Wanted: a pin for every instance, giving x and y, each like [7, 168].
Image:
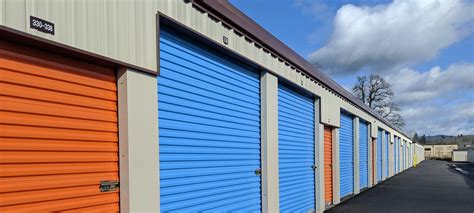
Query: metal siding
[59, 134]
[387, 161]
[209, 111]
[346, 153]
[328, 175]
[363, 154]
[379, 156]
[295, 151]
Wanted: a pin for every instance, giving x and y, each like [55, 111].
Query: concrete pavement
[433, 186]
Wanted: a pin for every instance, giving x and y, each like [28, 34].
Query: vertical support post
[356, 156]
[336, 181]
[319, 158]
[138, 142]
[384, 157]
[369, 146]
[269, 146]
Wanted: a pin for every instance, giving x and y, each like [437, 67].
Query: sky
[424, 48]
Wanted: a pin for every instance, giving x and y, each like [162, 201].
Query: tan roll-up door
[58, 133]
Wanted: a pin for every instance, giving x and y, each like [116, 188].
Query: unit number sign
[41, 25]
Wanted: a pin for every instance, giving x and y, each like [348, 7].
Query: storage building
[164, 105]
[460, 155]
[443, 152]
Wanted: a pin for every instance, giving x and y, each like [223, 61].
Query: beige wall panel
[15, 18]
[122, 30]
[2, 14]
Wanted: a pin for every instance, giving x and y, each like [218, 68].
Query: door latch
[258, 172]
[108, 185]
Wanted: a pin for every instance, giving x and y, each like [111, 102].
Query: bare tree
[376, 93]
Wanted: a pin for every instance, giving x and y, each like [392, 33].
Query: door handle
[108, 185]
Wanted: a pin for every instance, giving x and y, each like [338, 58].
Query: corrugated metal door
[346, 155]
[403, 155]
[395, 154]
[58, 134]
[209, 129]
[328, 164]
[409, 155]
[379, 155]
[398, 155]
[364, 154]
[406, 155]
[296, 150]
[387, 161]
[397, 146]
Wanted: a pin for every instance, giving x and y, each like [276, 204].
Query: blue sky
[424, 48]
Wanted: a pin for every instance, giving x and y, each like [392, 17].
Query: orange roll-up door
[328, 165]
[58, 134]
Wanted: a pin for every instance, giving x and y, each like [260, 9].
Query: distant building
[439, 151]
[470, 155]
[460, 155]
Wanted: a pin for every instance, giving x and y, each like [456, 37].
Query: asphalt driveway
[432, 186]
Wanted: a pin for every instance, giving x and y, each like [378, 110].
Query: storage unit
[395, 155]
[58, 133]
[379, 156]
[346, 155]
[400, 155]
[209, 129]
[328, 175]
[407, 157]
[363, 154]
[387, 158]
[403, 155]
[296, 150]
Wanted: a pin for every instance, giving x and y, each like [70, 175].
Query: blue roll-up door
[403, 155]
[209, 129]
[363, 154]
[346, 155]
[406, 155]
[379, 155]
[399, 155]
[395, 155]
[387, 161]
[296, 151]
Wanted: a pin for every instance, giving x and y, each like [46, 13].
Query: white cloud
[439, 101]
[394, 35]
[449, 119]
[410, 85]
